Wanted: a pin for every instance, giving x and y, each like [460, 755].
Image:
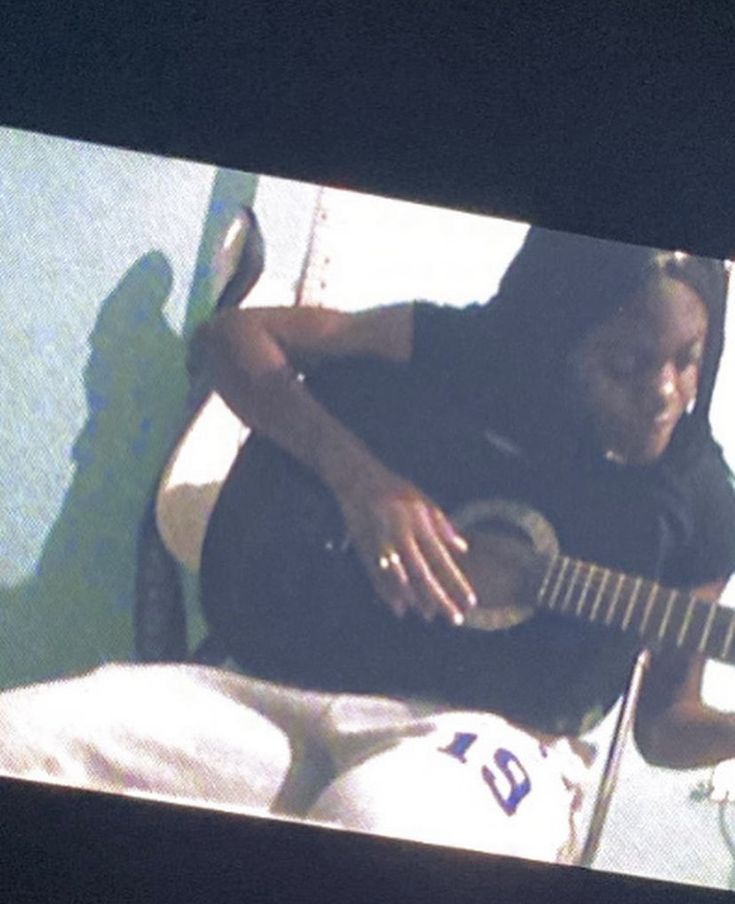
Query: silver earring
[691, 406]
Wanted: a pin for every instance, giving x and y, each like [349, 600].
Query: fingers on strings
[421, 574]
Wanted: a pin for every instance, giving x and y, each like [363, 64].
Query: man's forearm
[688, 736]
[262, 387]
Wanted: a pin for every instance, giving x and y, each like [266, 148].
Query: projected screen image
[353, 511]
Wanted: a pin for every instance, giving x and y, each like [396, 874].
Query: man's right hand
[409, 548]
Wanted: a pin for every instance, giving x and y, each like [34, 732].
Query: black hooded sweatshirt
[480, 411]
[502, 364]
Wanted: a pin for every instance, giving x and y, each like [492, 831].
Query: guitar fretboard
[659, 615]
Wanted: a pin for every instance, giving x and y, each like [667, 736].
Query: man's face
[635, 375]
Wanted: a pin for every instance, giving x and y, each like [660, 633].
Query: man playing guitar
[593, 370]
[588, 379]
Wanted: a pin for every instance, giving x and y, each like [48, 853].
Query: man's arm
[253, 357]
[674, 728]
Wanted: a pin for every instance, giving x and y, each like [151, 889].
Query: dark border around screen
[609, 124]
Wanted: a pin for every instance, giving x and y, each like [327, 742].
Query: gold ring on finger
[388, 559]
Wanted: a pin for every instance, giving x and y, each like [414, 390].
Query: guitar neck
[660, 616]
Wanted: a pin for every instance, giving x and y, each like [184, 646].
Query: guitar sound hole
[501, 528]
[500, 565]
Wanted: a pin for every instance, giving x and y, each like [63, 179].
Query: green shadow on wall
[75, 612]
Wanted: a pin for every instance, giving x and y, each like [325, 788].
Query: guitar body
[287, 595]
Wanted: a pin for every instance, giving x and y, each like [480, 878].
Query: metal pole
[609, 777]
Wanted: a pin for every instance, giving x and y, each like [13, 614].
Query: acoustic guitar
[282, 587]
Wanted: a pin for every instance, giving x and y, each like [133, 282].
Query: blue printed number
[519, 784]
[459, 746]
[509, 764]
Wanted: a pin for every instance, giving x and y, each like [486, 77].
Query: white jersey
[215, 738]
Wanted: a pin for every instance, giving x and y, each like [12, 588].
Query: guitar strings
[601, 589]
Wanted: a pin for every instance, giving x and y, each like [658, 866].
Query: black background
[593, 118]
